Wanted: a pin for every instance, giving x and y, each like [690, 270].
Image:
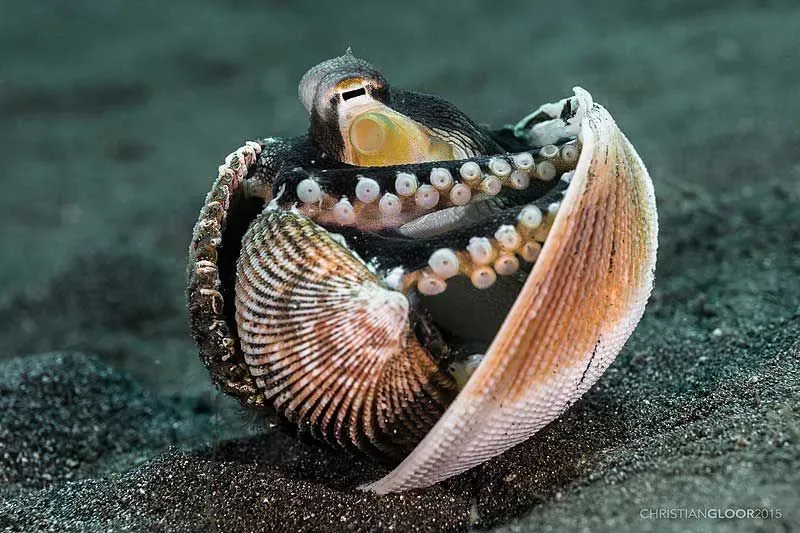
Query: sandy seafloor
[113, 118]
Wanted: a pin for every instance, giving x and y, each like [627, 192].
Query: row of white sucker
[443, 187]
[485, 258]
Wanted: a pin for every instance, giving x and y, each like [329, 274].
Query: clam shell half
[330, 347]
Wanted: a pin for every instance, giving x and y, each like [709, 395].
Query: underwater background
[113, 119]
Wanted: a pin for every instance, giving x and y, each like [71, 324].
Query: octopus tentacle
[519, 236]
[495, 243]
[379, 198]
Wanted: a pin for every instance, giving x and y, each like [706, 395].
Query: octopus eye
[347, 95]
[349, 88]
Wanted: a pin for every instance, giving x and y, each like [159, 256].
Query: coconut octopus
[403, 283]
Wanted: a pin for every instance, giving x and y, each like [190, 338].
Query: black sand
[113, 118]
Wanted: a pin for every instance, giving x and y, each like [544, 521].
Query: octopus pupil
[347, 95]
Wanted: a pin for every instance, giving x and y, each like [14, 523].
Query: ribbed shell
[329, 346]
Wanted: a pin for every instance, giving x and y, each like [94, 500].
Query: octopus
[403, 283]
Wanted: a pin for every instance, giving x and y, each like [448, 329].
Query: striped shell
[329, 345]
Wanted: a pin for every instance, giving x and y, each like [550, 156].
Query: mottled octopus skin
[367, 385]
